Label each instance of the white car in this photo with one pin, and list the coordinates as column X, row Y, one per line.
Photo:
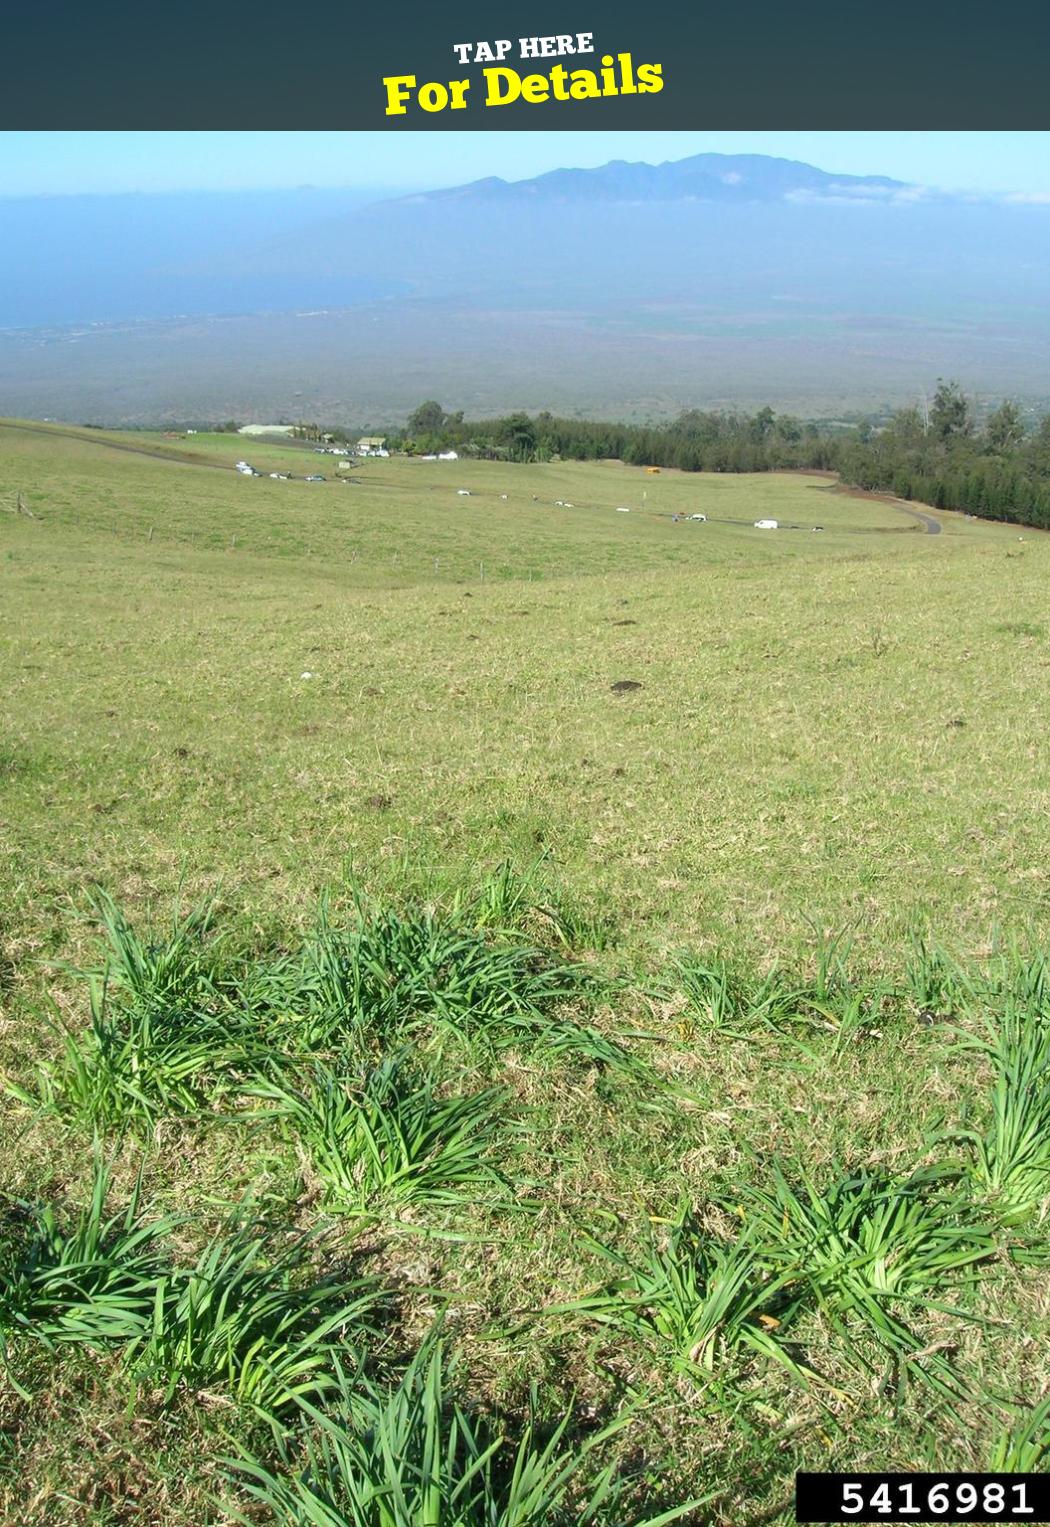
column 463, row 492
column 701, row 517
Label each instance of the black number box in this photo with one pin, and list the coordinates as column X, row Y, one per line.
column 922, row 1498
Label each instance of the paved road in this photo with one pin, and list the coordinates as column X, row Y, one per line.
column 933, row 527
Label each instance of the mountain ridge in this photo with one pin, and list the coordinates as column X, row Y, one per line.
column 699, row 177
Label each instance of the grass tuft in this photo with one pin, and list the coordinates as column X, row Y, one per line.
column 411, row 1456
column 1024, row 1446
column 390, row 1140
column 243, row 1322
column 138, row 1062
column 89, row 1278
column 873, row 1254
column 701, row 1300
column 166, row 973
column 1010, row 1155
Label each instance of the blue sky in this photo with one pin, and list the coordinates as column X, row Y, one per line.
column 53, row 163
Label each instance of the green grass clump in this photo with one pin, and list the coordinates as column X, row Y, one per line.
column 138, row 1061
column 166, row 974
column 725, row 1001
column 434, row 978
column 874, row 1255
column 391, row 973
column 158, row 1041
column 91, row 1277
column 704, row 1302
column 168, row 1035
column 870, row 1255
column 133, row 1066
column 409, row 1455
column 1024, row 1446
column 389, row 1139
column 1010, row 1153
column 242, row 1319
column 509, row 898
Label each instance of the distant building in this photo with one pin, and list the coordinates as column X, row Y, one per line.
column 266, row 429
column 372, row 445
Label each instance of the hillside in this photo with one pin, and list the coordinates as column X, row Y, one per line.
column 755, row 628
column 485, row 949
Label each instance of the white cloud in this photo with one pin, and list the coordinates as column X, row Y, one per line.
column 863, row 196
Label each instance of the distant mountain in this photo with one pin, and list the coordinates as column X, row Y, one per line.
column 630, row 290
column 703, row 177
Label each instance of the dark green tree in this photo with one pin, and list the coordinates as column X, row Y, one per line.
column 427, row 419
column 519, row 433
column 1005, row 427
column 950, row 415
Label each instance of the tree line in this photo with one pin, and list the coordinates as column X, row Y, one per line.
column 938, row 453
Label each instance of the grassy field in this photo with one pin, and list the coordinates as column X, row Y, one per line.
column 614, row 995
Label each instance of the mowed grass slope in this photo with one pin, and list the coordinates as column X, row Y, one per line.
column 593, row 1108
column 840, row 727
column 399, row 521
